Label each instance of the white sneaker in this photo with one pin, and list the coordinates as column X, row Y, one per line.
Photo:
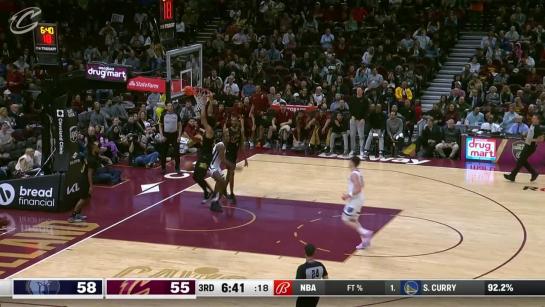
column 345, row 156
column 351, row 153
column 284, row 147
column 267, row 145
column 252, row 144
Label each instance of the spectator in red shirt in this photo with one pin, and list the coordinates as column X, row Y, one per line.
column 260, row 106
column 281, row 123
column 15, row 80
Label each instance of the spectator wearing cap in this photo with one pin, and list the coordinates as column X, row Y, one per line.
column 518, row 128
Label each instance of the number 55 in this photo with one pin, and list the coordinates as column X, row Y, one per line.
column 179, row 287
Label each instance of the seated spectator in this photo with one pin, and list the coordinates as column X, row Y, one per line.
column 231, row 88
column 339, row 128
column 474, row 65
column 141, row 152
column 278, row 99
column 493, row 98
column 327, row 39
column 509, row 117
column 403, row 93
column 431, row 136
column 28, row 163
column 475, row 118
column 475, row 99
column 101, row 174
column 248, row 89
column 187, row 112
column 16, row 118
column 452, row 114
column 451, row 137
column 490, row 125
column 518, row 128
column 377, row 125
column 97, row 117
column 6, row 140
column 5, row 118
column 394, row 131
column 281, row 124
column 457, row 92
column 191, row 134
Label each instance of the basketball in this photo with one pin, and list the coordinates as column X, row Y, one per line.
column 188, row 91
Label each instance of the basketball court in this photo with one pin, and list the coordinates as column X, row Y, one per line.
column 430, row 222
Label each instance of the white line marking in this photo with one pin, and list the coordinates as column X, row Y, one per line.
column 103, row 230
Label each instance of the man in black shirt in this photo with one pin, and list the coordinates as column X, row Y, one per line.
column 534, row 135
column 170, row 128
column 339, row 127
column 377, row 124
column 359, row 109
column 90, row 165
column 311, row 269
column 431, row 136
column 451, row 137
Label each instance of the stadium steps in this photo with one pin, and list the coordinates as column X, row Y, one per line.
column 458, row 56
column 208, row 31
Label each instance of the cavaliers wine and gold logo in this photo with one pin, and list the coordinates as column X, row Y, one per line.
column 516, row 148
column 135, row 287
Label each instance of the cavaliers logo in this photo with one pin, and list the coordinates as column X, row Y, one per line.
column 25, row 20
column 516, row 148
column 135, row 287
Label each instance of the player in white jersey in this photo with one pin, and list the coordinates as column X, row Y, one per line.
column 215, row 171
column 354, row 201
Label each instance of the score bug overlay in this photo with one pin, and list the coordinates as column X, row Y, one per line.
column 58, row 288
column 157, row 288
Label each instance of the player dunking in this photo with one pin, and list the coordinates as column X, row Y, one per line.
column 354, row 201
column 234, row 142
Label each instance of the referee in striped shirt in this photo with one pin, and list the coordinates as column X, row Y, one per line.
column 535, row 135
column 311, row 269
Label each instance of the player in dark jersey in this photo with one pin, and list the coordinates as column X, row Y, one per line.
column 311, row 269
column 90, row 165
column 233, row 136
column 204, row 155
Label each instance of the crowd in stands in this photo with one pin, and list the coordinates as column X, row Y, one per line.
column 355, row 69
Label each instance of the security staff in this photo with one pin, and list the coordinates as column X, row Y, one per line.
column 535, row 135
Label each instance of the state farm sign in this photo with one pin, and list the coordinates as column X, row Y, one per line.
column 146, row 84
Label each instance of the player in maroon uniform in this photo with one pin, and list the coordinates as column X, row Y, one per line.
column 260, row 106
column 281, row 124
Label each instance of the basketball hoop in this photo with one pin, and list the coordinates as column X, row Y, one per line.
column 201, row 95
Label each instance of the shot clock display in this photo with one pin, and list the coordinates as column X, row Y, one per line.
column 235, row 287
column 46, row 38
column 166, row 14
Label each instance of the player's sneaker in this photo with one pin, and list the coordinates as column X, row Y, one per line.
column 364, row 244
column 215, row 206
column 232, row 198
column 76, row 218
column 509, row 177
column 534, row 177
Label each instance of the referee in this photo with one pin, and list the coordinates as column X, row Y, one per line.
column 535, row 134
column 311, row 269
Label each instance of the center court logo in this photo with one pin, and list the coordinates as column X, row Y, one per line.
column 7, row 194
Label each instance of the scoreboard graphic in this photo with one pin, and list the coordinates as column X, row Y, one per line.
column 176, row 288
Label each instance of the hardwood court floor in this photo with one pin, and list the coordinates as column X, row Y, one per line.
column 453, row 224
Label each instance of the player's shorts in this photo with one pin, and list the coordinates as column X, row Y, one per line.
column 231, row 152
column 352, row 208
column 213, row 170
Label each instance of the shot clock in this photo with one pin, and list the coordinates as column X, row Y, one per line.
column 46, row 38
column 235, row 287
